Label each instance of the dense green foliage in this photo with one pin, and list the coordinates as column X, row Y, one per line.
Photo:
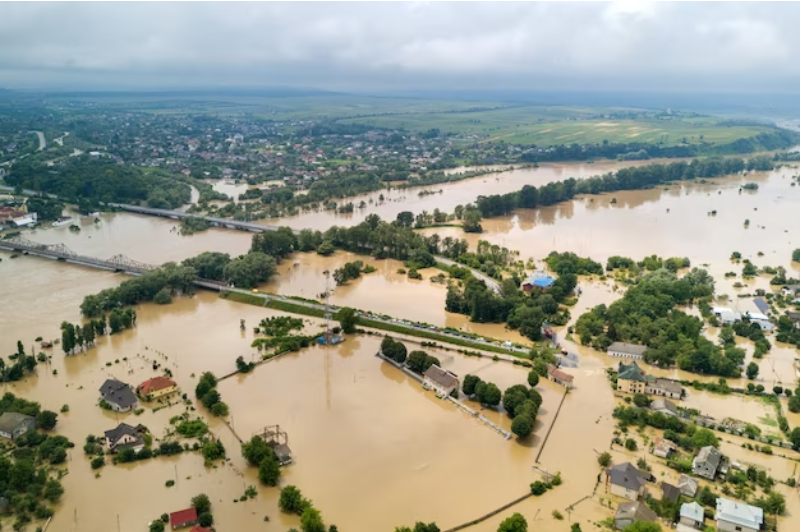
column 259, row 453
column 393, row 349
column 635, row 178
column 93, row 181
column 351, row 270
column 522, row 405
column 133, row 291
column 646, row 315
column 25, row 472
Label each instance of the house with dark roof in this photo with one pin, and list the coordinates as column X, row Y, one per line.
column 124, row 436
column 670, row 492
column 440, row 380
column 663, row 387
column 13, row 425
column 626, row 481
column 183, row 518
column 795, row 317
column 626, row 350
column 628, row 512
column 707, row 462
column 118, row 394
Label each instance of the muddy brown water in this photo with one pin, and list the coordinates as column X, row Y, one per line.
column 373, row 450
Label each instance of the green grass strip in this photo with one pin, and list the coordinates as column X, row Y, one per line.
column 295, row 309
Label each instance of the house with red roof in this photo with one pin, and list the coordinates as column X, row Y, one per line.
column 156, row 387
column 183, row 518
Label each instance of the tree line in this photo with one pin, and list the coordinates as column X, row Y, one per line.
column 636, row 178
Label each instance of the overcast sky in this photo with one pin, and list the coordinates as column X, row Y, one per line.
column 384, row 46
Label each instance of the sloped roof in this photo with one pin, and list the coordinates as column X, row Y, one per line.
column 441, row 377
column 181, row 517
column 688, row 484
column 118, row 392
column 624, row 347
column 119, row 431
column 155, row 384
column 710, row 455
column 662, row 403
column 692, row 510
column 631, row 372
column 560, row 375
column 739, row 513
column 635, row 511
column 10, row 421
column 670, row 492
column 627, row 476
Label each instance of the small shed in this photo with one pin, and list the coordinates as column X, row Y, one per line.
column 560, row 377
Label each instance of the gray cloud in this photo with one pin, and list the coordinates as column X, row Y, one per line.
column 383, row 45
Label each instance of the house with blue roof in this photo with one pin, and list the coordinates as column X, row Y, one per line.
column 538, row 281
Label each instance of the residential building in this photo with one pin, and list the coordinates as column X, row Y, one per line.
column 664, row 387
column 440, row 380
column 687, row 485
column 762, row 305
column 124, row 436
column 628, row 512
column 692, row 514
column 13, row 425
column 735, row 516
column 156, row 387
column 118, row 394
column 198, row 528
column 670, row 492
column 663, row 405
column 707, row 462
column 630, row 378
column 626, row 350
column 795, row 317
column 626, row 481
column 662, row 448
column 183, row 518
column 559, row 377
column 538, row 281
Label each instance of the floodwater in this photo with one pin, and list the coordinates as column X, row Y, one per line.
column 373, row 450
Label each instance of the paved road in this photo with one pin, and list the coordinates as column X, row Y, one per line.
column 491, row 283
column 42, row 141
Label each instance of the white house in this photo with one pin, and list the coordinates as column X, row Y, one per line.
column 735, row 516
column 440, row 380
column 692, row 514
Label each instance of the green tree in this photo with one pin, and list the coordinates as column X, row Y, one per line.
column 704, row 438
column 347, row 320
column 515, row 523
column 641, row 400
column 291, row 500
column 604, row 459
column 46, row 420
column 255, row 450
column 796, row 255
column 206, row 383
column 533, row 378
column 469, row 384
column 53, row 490
column 201, row 503
column 489, row 394
column 794, row 403
column 522, row 426
column 205, row 519
column 794, row 437
column 630, row 444
column 163, row 297
column 269, row 470
column 752, row 370
column 311, row 520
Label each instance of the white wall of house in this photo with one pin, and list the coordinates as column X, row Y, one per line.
column 725, row 526
column 620, row 354
column 620, row 491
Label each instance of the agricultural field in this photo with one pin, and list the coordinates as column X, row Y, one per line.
column 546, row 126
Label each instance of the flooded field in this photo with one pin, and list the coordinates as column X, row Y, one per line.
column 374, row 450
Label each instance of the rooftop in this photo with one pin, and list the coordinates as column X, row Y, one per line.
column 118, row 392
column 624, row 347
column 631, row 372
column 709, row 454
column 155, row 384
column 442, row 377
column 560, row 375
column 635, row 511
column 662, row 403
column 670, row 492
column 739, row 513
column 627, row 476
column 119, row 431
column 692, row 510
column 9, row 421
column 181, row 517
